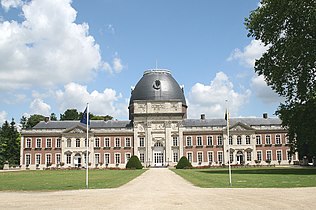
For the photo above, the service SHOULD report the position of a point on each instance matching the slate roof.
(94, 124)
(222, 122)
(187, 123)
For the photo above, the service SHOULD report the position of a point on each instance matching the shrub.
(183, 163)
(134, 163)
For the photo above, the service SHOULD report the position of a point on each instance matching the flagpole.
(87, 153)
(229, 166)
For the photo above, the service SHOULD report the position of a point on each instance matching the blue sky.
(62, 54)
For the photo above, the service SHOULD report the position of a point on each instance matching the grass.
(64, 179)
(250, 177)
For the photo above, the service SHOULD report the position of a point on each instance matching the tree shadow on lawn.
(293, 171)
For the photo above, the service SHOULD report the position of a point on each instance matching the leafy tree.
(33, 120)
(9, 144)
(97, 117)
(134, 163)
(23, 122)
(288, 28)
(53, 117)
(70, 114)
(183, 163)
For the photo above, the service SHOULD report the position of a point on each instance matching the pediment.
(240, 127)
(78, 129)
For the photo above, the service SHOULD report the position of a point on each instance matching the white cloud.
(38, 106)
(250, 53)
(3, 117)
(263, 91)
(101, 103)
(210, 99)
(7, 4)
(47, 48)
(116, 66)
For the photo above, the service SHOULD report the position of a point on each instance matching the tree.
(134, 163)
(183, 163)
(32, 120)
(97, 117)
(288, 66)
(53, 117)
(9, 144)
(70, 114)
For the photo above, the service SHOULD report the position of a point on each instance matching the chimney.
(265, 115)
(46, 119)
(202, 116)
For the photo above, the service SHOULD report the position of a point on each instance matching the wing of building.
(158, 132)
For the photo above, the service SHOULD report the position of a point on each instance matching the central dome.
(157, 85)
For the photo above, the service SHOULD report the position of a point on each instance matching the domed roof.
(157, 85)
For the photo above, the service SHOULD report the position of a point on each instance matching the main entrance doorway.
(158, 158)
(158, 154)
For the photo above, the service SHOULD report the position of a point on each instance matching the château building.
(158, 132)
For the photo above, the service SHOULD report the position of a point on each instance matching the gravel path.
(162, 189)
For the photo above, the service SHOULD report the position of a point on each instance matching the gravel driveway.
(162, 189)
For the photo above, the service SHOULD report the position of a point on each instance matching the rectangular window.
(189, 141)
(142, 157)
(141, 141)
(209, 140)
(175, 157)
(259, 155)
(38, 159)
(239, 140)
(117, 142)
(258, 140)
(220, 157)
(97, 142)
(219, 140)
(268, 139)
(127, 157)
(231, 157)
(247, 139)
(279, 155)
(287, 139)
(230, 140)
(210, 157)
(117, 158)
(278, 139)
(48, 159)
(85, 143)
(38, 143)
(58, 158)
(289, 155)
(77, 142)
(106, 142)
(68, 158)
(58, 143)
(269, 155)
(200, 157)
(175, 141)
(190, 157)
(96, 158)
(28, 143)
(199, 141)
(48, 143)
(68, 142)
(127, 142)
(27, 159)
(248, 156)
(106, 158)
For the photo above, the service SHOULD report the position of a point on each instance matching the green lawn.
(65, 179)
(250, 177)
